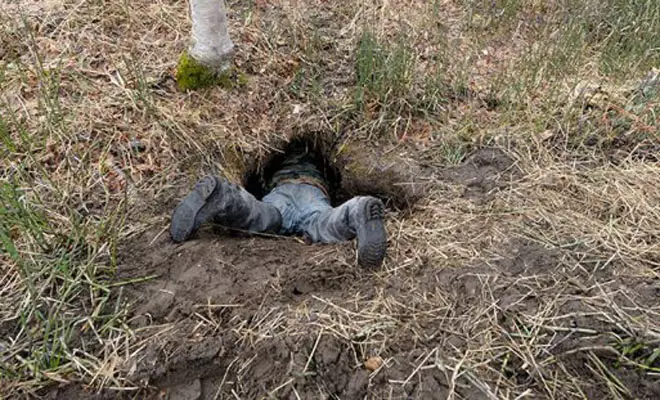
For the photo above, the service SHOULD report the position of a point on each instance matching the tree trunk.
(211, 45)
(208, 60)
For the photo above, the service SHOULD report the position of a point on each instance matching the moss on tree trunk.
(192, 75)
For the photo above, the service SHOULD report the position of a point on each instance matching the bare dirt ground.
(523, 205)
(262, 286)
(229, 314)
(252, 316)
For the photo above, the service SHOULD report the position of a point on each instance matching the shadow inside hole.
(359, 169)
(260, 173)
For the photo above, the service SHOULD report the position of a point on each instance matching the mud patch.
(228, 272)
(302, 366)
(239, 283)
(483, 172)
(227, 279)
(522, 257)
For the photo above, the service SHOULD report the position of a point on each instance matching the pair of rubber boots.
(216, 200)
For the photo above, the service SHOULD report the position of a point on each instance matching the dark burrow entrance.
(260, 171)
(353, 169)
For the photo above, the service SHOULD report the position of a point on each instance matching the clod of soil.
(373, 363)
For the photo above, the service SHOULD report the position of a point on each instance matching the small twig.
(132, 281)
(571, 330)
(157, 236)
(235, 395)
(480, 385)
(311, 355)
(217, 305)
(419, 366)
(272, 392)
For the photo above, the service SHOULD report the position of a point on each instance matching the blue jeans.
(306, 210)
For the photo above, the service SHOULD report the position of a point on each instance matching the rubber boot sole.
(371, 235)
(183, 218)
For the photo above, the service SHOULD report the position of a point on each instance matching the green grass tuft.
(384, 73)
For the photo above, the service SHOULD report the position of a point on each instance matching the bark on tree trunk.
(211, 45)
(208, 60)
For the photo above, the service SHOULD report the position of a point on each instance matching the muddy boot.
(370, 230)
(226, 204)
(361, 218)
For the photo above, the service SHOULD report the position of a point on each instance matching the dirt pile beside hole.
(483, 172)
(232, 272)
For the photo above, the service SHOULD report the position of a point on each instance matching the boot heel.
(372, 237)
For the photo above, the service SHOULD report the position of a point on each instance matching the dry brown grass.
(545, 288)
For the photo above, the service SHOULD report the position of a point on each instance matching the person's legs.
(298, 203)
(226, 204)
(306, 210)
(290, 208)
(360, 217)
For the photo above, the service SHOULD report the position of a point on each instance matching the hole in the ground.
(352, 169)
(260, 173)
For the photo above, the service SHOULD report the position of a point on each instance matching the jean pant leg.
(306, 210)
(299, 204)
(283, 198)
